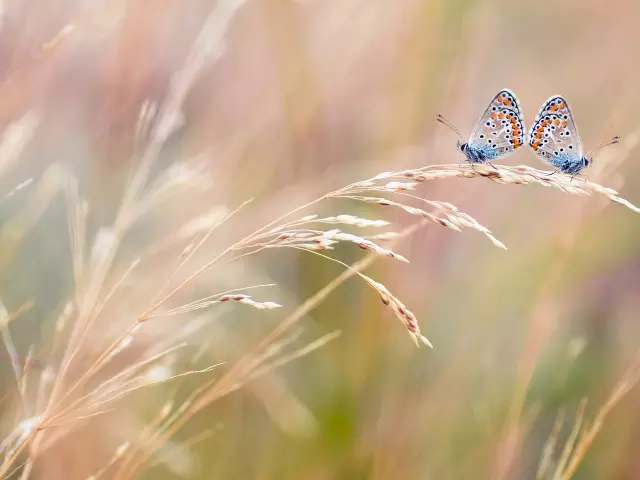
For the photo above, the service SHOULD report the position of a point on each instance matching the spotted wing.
(554, 135)
(500, 130)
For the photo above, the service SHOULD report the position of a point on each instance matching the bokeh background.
(305, 97)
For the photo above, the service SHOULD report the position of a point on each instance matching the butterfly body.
(569, 164)
(498, 132)
(479, 153)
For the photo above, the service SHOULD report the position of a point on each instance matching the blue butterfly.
(499, 131)
(554, 138)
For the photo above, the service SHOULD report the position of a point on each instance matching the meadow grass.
(89, 367)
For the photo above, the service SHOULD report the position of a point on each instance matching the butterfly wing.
(500, 129)
(554, 135)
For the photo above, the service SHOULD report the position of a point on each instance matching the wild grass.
(87, 372)
(66, 402)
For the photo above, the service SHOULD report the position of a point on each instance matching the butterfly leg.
(555, 171)
(472, 165)
(579, 175)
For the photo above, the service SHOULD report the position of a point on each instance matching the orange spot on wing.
(538, 135)
(516, 143)
(557, 122)
(501, 115)
(494, 115)
(564, 124)
(562, 105)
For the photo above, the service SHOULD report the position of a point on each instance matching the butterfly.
(499, 131)
(554, 138)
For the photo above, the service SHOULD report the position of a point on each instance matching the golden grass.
(71, 390)
(63, 410)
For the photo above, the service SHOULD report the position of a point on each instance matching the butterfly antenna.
(611, 141)
(446, 122)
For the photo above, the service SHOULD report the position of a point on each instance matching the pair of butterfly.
(553, 137)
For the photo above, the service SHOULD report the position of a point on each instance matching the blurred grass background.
(306, 97)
